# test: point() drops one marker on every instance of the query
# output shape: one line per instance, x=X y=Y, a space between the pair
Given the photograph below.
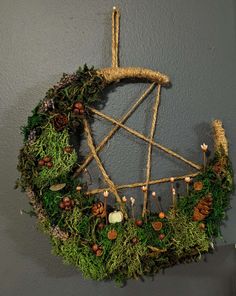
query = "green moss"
x=187 y=237
x=81 y=256
x=125 y=256
x=51 y=143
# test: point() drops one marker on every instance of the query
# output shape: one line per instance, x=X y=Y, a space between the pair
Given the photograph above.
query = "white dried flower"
x=132 y=201
x=187 y=179
x=154 y=194
x=105 y=193
x=172 y=179
x=204 y=147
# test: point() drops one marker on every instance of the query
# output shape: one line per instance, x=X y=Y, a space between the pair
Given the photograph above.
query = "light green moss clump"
x=187 y=237
x=51 y=143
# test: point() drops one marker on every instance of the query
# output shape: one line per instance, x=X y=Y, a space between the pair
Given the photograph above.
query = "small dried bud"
x=144 y=188
x=105 y=193
x=78 y=188
x=204 y=147
x=132 y=201
x=124 y=199
x=173 y=191
x=187 y=179
x=154 y=194
x=172 y=179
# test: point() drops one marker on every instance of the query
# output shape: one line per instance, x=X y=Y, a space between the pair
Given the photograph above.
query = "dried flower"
x=154 y=194
x=105 y=193
x=78 y=188
x=187 y=179
x=144 y=188
x=132 y=201
x=124 y=199
x=172 y=179
x=173 y=191
x=204 y=147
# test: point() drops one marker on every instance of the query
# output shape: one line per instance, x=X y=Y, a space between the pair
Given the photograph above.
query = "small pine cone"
x=60 y=121
x=98 y=210
x=203 y=208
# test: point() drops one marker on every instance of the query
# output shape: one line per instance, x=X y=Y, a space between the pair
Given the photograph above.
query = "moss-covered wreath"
x=109 y=241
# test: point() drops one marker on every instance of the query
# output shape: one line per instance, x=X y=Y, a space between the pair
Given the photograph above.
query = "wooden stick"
x=149 y=156
x=141 y=136
x=140 y=184
x=101 y=145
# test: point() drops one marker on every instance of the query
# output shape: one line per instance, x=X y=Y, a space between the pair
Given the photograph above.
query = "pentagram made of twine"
x=113 y=74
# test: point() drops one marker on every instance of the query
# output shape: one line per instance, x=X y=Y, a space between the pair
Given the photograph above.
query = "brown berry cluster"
x=67 y=203
x=79 y=108
x=97 y=250
x=46 y=161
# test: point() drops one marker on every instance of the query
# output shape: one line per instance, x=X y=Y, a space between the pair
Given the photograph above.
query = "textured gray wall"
x=193 y=42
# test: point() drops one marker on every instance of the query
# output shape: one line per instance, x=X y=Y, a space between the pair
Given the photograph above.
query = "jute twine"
x=149 y=157
x=220 y=140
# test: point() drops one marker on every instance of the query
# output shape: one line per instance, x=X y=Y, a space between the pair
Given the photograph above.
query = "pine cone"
x=203 y=208
x=60 y=121
x=98 y=210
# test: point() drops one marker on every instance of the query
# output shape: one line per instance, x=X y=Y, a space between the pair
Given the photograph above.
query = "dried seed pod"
x=157 y=225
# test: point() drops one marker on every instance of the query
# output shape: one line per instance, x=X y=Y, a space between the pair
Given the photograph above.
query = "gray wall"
x=193 y=42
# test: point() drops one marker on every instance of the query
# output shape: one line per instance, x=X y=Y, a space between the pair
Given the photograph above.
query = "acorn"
x=47 y=159
x=81 y=111
x=66 y=198
x=68 y=149
x=95 y=247
x=61 y=205
x=99 y=253
x=202 y=226
x=41 y=162
x=139 y=223
x=78 y=105
x=162 y=215
x=161 y=236
x=49 y=164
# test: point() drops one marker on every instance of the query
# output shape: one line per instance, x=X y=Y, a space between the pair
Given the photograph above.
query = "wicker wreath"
x=113 y=241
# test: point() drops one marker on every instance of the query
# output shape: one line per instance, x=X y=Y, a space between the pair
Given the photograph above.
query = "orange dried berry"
x=162 y=215
x=198 y=186
x=112 y=234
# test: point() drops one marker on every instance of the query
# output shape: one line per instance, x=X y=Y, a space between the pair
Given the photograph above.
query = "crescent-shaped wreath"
x=104 y=241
